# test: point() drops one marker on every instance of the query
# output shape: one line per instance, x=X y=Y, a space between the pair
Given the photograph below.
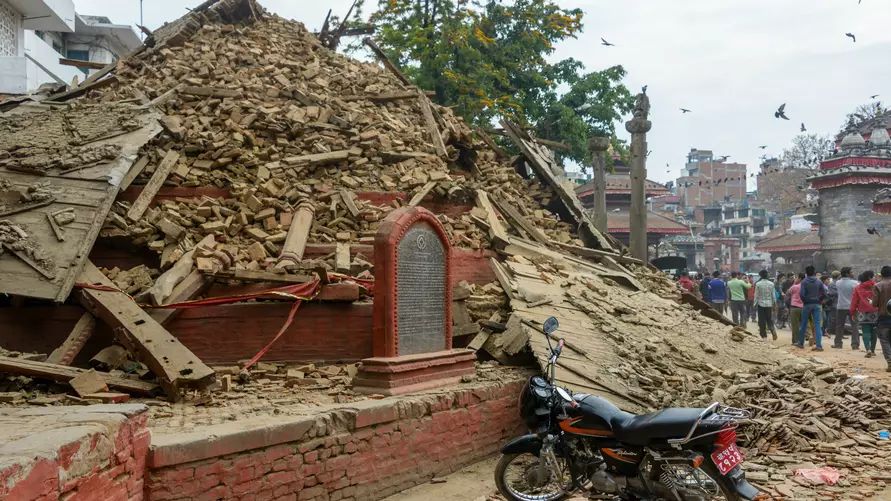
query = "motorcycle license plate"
x=727 y=458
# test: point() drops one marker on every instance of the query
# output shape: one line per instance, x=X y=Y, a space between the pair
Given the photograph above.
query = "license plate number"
x=727 y=458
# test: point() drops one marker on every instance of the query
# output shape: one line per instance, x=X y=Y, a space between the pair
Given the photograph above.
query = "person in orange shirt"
x=750 y=299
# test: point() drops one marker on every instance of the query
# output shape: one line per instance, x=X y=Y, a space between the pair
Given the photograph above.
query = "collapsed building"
x=211 y=230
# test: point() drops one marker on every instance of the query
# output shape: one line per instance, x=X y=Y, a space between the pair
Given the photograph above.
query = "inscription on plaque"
x=420 y=291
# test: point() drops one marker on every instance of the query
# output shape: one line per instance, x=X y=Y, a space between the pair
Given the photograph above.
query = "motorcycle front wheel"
x=518 y=478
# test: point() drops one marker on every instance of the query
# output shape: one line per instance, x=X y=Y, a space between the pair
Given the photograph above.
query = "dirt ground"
x=476 y=482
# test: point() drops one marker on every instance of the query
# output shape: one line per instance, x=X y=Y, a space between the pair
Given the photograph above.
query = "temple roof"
x=620 y=184
x=790 y=242
x=619 y=222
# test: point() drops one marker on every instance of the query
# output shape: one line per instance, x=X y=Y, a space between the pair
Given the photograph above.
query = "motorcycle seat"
x=659 y=426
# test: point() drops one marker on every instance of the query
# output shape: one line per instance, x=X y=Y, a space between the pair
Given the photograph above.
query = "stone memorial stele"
x=412 y=309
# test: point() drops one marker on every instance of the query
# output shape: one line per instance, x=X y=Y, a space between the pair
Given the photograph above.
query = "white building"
x=750 y=225
x=39 y=38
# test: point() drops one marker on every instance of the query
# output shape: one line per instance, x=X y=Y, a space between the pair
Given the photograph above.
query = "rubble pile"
x=264 y=111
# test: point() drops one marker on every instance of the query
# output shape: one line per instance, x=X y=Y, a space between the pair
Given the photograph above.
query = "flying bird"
x=724 y=157
x=781 y=112
x=851 y=36
x=874 y=231
x=874 y=96
x=803 y=128
x=684 y=111
x=763 y=146
x=607 y=44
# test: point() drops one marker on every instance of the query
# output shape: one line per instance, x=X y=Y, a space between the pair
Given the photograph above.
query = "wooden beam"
x=90 y=65
x=499 y=152
x=83 y=329
x=193 y=286
x=544 y=142
x=382 y=57
x=387 y=96
x=598 y=254
x=173 y=363
x=432 y=128
x=346 y=196
x=502 y=277
x=134 y=172
x=542 y=167
x=139 y=206
x=496 y=230
x=63 y=374
x=520 y=221
x=83 y=88
x=190 y=90
x=415 y=200
x=263 y=276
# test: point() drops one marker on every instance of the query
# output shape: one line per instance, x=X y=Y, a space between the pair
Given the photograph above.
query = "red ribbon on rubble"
x=297 y=292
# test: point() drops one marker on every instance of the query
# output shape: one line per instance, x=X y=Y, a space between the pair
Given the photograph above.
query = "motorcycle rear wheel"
x=720 y=482
x=511 y=488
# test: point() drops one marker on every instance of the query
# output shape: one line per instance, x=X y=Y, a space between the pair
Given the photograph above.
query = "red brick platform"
x=411 y=373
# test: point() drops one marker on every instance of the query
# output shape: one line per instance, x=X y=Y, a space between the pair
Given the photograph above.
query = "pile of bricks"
x=262 y=111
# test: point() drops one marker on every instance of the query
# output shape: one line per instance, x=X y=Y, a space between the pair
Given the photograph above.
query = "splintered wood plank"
x=502 y=277
x=65 y=354
x=346 y=197
x=432 y=128
x=173 y=363
x=134 y=172
x=507 y=209
x=382 y=57
x=415 y=200
x=190 y=288
x=151 y=189
x=460 y=313
x=63 y=374
x=496 y=229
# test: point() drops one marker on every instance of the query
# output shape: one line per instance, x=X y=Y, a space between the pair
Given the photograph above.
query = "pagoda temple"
x=618 y=206
x=847 y=182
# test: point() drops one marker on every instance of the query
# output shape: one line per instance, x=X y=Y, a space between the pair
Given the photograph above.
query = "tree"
x=490 y=58
x=807 y=152
x=863 y=113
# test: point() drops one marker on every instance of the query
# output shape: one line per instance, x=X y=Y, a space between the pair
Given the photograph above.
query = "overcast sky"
x=732 y=62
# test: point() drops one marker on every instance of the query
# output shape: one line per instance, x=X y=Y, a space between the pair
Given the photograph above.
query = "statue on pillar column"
x=638 y=126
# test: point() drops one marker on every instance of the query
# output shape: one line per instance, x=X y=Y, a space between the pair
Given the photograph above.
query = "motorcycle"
x=584 y=443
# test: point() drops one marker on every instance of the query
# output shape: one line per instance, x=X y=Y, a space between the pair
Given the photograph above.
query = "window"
x=744 y=213
x=80 y=55
x=745 y=254
x=9 y=31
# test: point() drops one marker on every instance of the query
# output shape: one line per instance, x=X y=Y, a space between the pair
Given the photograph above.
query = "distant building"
x=749 y=224
x=707 y=181
x=35 y=35
x=618 y=206
x=847 y=183
x=794 y=246
x=578 y=177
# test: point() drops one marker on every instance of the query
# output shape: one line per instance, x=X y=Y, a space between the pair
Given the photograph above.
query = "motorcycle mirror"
x=550 y=326
x=565 y=396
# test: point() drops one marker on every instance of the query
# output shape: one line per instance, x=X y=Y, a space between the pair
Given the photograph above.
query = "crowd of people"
x=813 y=304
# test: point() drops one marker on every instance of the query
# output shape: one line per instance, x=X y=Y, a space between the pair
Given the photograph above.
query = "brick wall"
x=380 y=448
x=843 y=223
x=92 y=453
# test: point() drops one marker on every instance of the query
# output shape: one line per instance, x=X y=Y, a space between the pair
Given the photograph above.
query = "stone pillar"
x=638 y=127
x=598 y=146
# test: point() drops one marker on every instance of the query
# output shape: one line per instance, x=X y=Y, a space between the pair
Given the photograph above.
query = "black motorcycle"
x=583 y=443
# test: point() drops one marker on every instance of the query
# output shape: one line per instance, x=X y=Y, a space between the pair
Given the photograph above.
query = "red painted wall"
x=320 y=331
x=117 y=477
x=381 y=455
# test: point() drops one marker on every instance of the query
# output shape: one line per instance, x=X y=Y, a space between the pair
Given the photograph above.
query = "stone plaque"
x=420 y=289
x=412 y=291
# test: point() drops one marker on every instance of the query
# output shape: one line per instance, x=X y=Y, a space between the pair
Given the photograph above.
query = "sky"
x=732 y=62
